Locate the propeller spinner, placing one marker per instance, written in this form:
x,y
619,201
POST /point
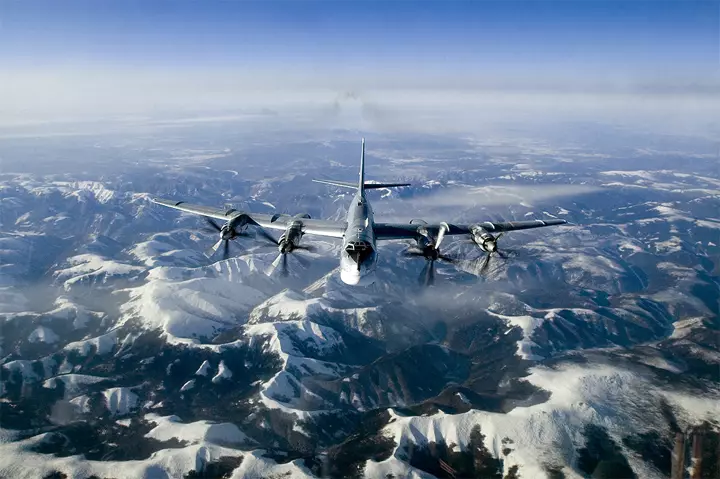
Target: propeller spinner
x,y
289,243
429,248
233,229
487,243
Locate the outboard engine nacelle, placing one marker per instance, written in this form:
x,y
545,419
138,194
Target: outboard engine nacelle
x,y
483,239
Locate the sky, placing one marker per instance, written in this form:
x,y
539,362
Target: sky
x,y
98,52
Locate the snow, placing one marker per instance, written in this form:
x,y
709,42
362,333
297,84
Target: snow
x,y
90,268
285,305
19,462
685,327
679,272
284,335
551,431
23,367
187,310
66,309
203,369
645,175
102,344
256,466
82,403
598,266
169,427
223,373
394,467
709,223
43,334
528,324
628,245
74,383
286,391
672,245
188,385
120,401
88,189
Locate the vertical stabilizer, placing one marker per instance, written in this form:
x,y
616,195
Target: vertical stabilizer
x,y
361,184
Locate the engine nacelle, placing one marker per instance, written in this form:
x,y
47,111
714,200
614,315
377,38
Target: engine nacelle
x,y
483,239
236,225
290,239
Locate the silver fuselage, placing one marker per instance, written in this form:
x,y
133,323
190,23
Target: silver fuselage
x,y
358,257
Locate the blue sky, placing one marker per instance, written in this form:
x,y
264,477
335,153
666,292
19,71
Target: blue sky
x,y
98,57
463,36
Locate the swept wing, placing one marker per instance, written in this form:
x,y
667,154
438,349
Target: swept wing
x,y
310,226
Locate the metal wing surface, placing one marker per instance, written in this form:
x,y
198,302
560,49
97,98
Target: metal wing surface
x,y
334,229
390,231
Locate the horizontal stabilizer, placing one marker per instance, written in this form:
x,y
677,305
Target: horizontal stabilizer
x,y
343,184
374,186
368,186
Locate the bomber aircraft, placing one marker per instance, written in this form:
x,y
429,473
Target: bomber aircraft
x,y
359,232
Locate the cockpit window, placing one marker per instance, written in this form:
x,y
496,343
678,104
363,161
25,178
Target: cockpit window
x,y
359,251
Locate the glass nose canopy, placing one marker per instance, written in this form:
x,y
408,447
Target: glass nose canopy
x,y
359,251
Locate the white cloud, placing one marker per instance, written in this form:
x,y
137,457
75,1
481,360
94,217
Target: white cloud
x,y
383,101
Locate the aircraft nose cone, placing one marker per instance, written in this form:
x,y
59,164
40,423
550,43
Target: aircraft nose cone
x,y
350,278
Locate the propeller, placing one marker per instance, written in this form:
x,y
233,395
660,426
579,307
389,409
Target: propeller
x,y
282,262
229,232
430,250
488,243
288,244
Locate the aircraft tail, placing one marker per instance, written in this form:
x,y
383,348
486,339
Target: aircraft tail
x,y
361,185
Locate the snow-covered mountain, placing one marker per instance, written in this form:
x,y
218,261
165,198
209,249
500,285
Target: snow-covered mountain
x,y
126,352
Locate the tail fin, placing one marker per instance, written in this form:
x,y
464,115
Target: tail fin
x,y
361,184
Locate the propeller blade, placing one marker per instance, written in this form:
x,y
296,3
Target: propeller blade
x,y
484,267
265,235
447,259
284,268
213,249
422,279
412,253
427,275
226,249
431,274
440,237
273,266
214,225
499,236
501,254
303,261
